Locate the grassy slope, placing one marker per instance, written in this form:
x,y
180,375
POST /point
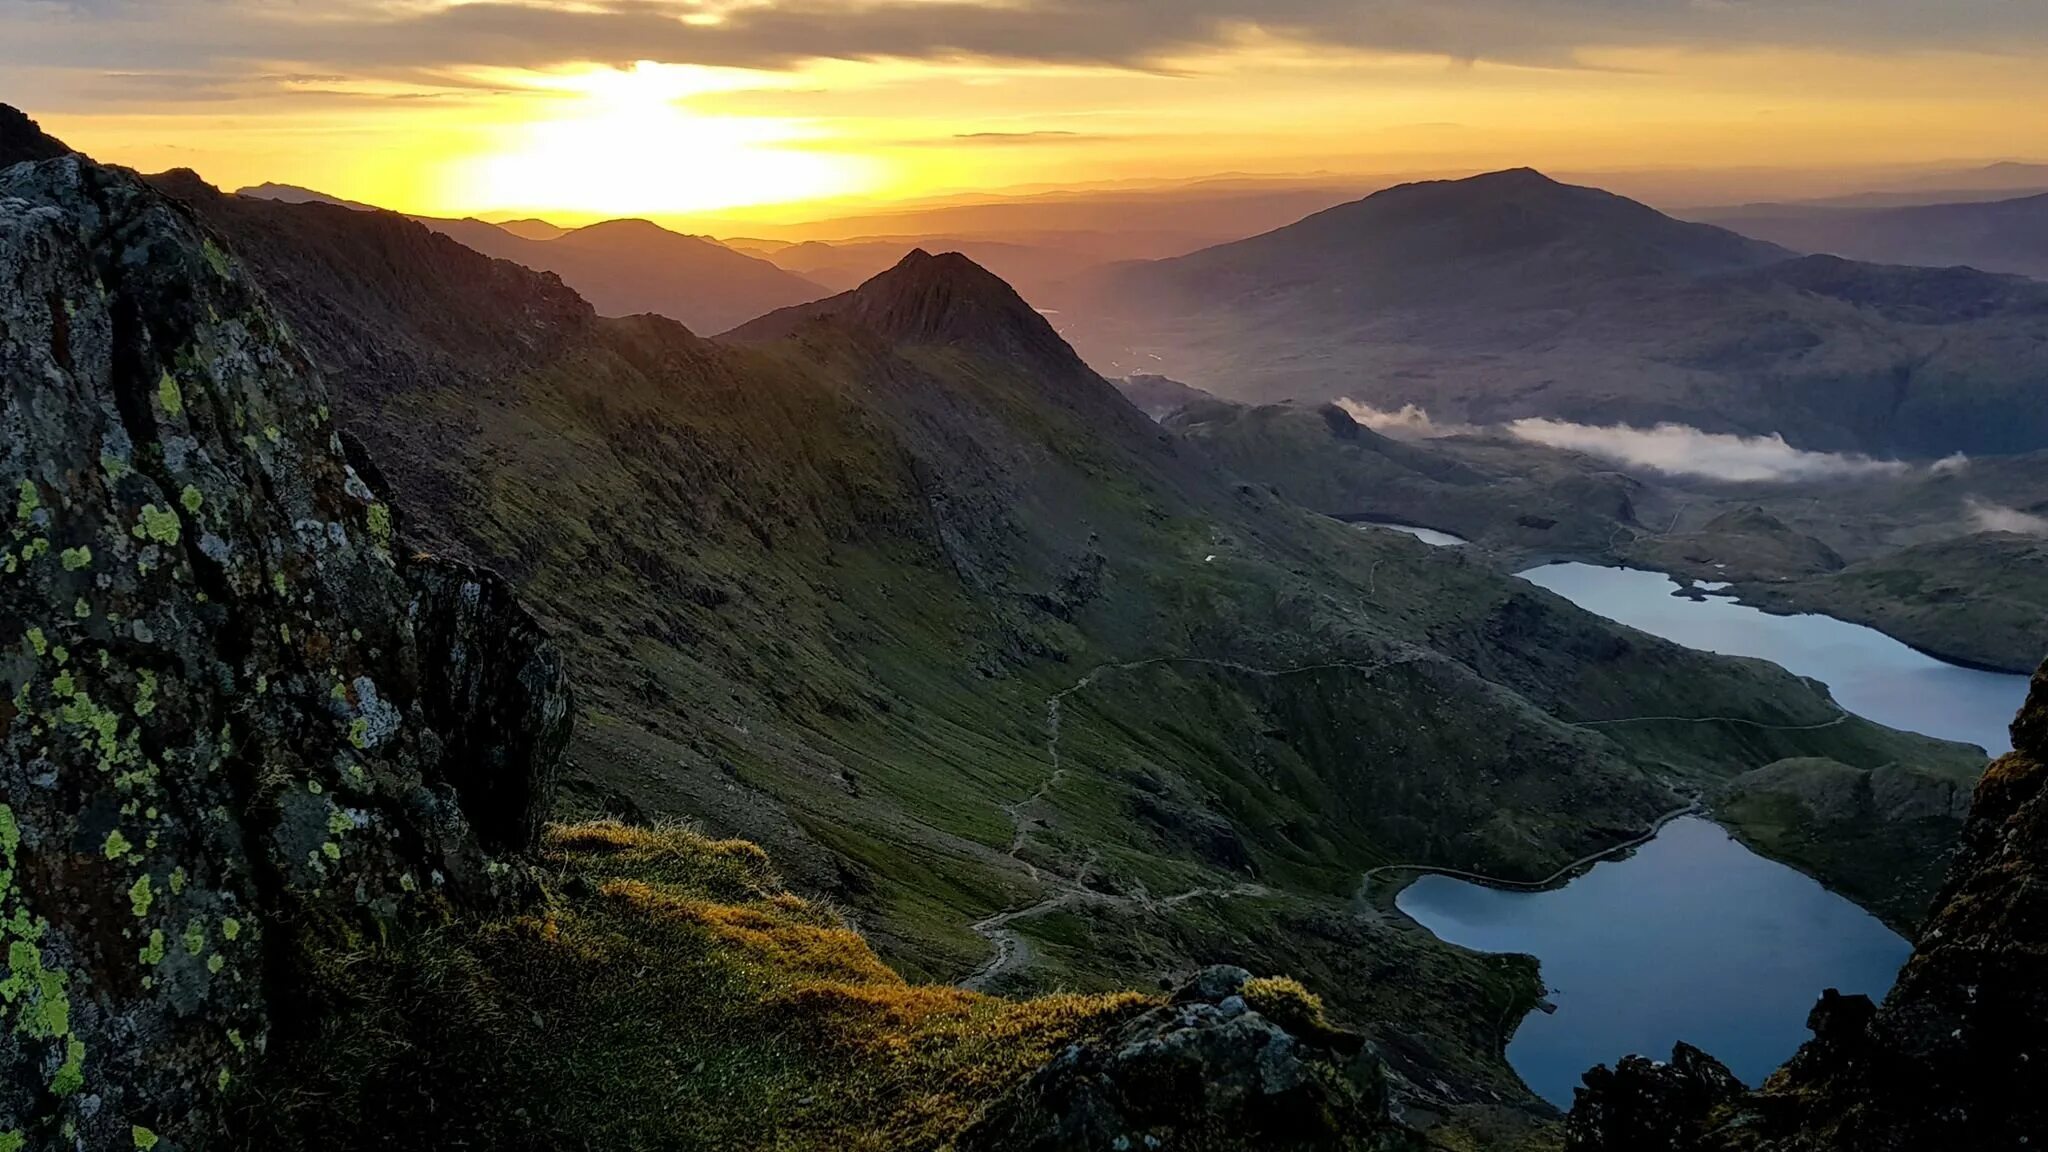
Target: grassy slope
x,y
668,993
818,594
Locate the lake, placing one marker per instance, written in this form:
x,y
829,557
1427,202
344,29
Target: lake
x,y
1693,937
1428,536
1869,673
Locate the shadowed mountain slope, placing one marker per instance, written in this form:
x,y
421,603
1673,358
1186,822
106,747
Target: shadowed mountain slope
x,y
1511,295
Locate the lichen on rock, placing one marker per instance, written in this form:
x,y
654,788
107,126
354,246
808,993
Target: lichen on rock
x,y
166,829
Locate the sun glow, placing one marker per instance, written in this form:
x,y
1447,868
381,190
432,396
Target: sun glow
x,y
629,144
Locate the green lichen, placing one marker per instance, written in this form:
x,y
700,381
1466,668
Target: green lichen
x,y
177,874
339,823
273,433
76,558
169,397
216,260
141,895
153,954
143,1137
12,1140
26,501
158,524
331,850
235,1038
195,937
82,609
231,928
70,1075
192,499
277,584
38,641
359,732
379,518
117,845
45,1008
145,692
114,467
215,963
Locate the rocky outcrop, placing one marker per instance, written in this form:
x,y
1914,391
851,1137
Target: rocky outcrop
x,y
1956,1056
1650,1106
234,720
1219,1067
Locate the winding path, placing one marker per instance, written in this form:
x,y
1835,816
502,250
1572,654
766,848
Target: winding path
x,y
1009,951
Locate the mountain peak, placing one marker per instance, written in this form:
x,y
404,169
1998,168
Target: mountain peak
x,y
23,140
942,299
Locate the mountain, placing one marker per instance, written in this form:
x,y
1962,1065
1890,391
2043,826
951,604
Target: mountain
x,y
1511,296
2000,236
626,267
533,229
293,194
1032,266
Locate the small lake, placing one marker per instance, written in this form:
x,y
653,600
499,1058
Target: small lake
x,y
1693,938
1429,536
1869,673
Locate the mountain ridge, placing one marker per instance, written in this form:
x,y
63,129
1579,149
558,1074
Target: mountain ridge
x,y
1512,296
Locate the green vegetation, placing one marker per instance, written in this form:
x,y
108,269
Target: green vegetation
x,y
668,993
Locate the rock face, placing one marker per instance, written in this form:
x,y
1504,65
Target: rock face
x,y
234,721
1646,1106
1206,1071
1957,1055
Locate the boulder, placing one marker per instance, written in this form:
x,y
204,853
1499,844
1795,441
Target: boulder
x,y
1205,1071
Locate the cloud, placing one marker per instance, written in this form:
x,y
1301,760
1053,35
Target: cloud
x,y
1408,423
1991,517
406,36
1678,450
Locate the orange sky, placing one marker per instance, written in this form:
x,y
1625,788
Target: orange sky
x,y
763,108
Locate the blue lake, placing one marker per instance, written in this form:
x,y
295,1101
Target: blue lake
x,y
1692,938
1869,673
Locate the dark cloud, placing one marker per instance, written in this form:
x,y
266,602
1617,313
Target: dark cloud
x,y
375,36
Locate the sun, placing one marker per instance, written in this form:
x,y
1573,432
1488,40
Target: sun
x,y
626,143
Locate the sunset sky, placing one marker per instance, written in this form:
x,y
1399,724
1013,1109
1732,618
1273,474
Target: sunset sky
x,y
667,108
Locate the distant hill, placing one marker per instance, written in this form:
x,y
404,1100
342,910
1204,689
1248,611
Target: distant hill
x,y
1999,236
533,229
627,267
623,267
293,194
1511,295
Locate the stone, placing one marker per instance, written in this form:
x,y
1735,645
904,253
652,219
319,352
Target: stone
x,y
237,723
1201,1071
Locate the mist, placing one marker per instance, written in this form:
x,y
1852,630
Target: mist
x,y
1679,450
1410,422
1991,517
1673,449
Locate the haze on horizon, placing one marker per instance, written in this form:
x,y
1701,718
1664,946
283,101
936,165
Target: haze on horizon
x,y
777,110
